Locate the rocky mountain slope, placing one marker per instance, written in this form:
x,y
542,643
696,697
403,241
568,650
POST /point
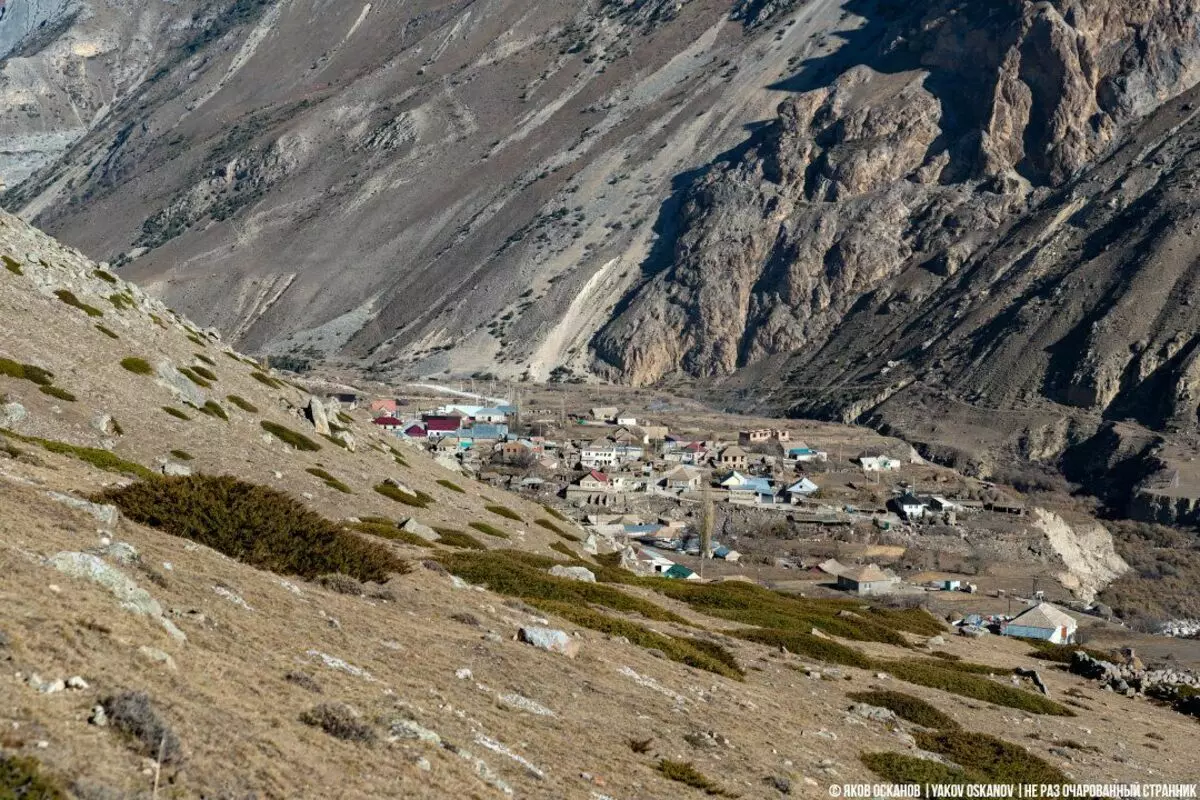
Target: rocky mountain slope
x,y
428,185
148,653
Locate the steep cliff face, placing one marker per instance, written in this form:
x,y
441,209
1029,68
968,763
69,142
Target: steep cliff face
x,y
955,120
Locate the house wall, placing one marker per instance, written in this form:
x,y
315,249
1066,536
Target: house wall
x,y
1055,635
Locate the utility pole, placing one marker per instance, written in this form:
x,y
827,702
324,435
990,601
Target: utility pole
x,y
706,527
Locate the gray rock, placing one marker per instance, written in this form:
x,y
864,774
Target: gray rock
x,y
316,415
105,514
102,424
179,385
132,597
122,553
348,440
99,717
156,656
876,713
172,469
413,526
936,641
582,574
11,414
555,641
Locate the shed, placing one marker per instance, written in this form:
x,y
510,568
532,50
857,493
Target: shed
x,y
867,580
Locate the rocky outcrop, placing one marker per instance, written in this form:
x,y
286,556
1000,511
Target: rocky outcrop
x,y
889,178
1087,553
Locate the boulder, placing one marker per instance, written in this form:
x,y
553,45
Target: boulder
x,y
131,596
550,639
180,385
11,414
876,713
574,573
316,415
105,514
172,469
419,529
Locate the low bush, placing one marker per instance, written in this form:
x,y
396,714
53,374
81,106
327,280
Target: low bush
x,y
107,332
138,366
21,778
456,538
304,681
133,714
554,512
212,408
393,492
990,758
490,530
209,362
451,485
100,459
297,441
255,524
388,530
807,645
122,301
898,768
683,772
339,721
1062,653
70,299
336,441
107,277
330,481
502,511
550,526
907,707
267,380
194,377
12,265
342,584
182,455
243,404
26,372
176,413
926,673
58,393
559,547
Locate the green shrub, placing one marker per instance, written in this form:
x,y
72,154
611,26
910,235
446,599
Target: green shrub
x,y
335,440
176,413
26,372
991,758
554,512
244,405
12,265
206,360
138,366
937,676
807,645
192,376
345,418
157,320
418,500
255,524
58,392
548,525
683,772
122,301
521,574
559,547
107,277
907,707
330,481
898,768
296,441
1062,653
70,299
197,340
100,459
206,374
692,652
456,538
339,721
213,409
107,332
451,485
21,778
501,511
266,380
182,455
490,530
387,529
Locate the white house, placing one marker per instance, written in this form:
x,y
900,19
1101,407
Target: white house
x,y
683,479
597,454
1043,621
627,420
911,506
879,464
801,488
604,413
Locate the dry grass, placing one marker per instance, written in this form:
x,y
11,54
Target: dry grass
x,y
339,721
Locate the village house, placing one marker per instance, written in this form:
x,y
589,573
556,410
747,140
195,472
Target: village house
x,y
911,507
494,415
488,430
515,451
384,405
868,580
415,430
879,464
763,435
683,479
597,454
604,413
627,420
654,433
1042,621
801,489
595,481
733,457
802,453
388,423
441,424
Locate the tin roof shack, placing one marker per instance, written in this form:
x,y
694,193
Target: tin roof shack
x,y
869,580
1043,621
